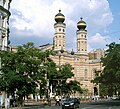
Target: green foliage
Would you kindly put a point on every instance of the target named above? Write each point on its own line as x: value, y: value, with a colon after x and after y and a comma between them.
x: 110, y: 75
x: 60, y: 81
x: 103, y: 89
x: 21, y: 70
x: 75, y: 86
x: 65, y: 72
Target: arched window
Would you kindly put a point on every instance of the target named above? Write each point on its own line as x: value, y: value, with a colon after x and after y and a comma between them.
x: 59, y: 29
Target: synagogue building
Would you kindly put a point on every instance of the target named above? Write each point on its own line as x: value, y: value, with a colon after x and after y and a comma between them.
x: 84, y: 64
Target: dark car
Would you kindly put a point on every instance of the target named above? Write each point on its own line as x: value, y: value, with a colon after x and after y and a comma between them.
x: 70, y: 103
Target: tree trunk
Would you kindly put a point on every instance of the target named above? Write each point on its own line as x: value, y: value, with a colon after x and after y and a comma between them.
x: 110, y: 91
x: 20, y: 101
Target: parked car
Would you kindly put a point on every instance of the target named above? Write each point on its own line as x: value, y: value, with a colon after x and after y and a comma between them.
x: 116, y: 98
x: 70, y: 103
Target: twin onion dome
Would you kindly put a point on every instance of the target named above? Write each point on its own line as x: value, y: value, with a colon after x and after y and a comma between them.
x: 59, y: 18
x: 81, y: 25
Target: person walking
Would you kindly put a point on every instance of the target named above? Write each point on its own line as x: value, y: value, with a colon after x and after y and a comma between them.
x: 57, y: 100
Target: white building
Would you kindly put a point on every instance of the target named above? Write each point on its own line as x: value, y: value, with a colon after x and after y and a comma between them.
x: 4, y: 33
x: 4, y: 24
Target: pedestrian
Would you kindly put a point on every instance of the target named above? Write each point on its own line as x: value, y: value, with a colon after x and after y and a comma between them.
x: 7, y: 101
x: 57, y: 100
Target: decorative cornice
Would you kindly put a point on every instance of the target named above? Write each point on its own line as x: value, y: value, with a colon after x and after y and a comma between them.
x: 5, y: 10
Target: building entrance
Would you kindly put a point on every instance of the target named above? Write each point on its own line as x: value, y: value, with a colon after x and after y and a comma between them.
x: 95, y: 91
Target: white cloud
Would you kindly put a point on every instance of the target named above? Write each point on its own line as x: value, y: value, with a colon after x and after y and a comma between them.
x: 98, y: 41
x: 38, y: 16
x: 97, y: 38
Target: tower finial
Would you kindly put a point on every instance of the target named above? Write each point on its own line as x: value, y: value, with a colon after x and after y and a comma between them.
x: 81, y: 18
x: 59, y: 10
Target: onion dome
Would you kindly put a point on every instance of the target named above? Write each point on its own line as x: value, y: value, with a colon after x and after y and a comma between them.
x: 81, y: 24
x: 72, y: 52
x: 59, y: 17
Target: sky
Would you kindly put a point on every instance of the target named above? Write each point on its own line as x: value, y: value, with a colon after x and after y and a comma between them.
x: 33, y: 21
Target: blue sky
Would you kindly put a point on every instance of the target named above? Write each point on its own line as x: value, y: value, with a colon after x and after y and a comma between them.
x: 33, y: 20
x: 114, y: 28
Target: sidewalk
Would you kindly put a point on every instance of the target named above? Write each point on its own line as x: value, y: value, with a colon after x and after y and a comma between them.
x: 29, y: 105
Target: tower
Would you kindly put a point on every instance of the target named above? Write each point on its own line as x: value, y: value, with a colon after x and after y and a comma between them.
x: 59, y: 40
x: 81, y: 37
x: 4, y: 24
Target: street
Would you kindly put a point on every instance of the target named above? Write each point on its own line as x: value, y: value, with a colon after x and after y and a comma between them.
x: 111, y: 104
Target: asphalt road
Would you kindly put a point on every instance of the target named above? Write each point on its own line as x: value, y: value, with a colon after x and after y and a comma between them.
x: 111, y: 104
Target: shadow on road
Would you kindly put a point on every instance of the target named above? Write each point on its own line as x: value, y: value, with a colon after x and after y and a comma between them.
x: 107, y: 103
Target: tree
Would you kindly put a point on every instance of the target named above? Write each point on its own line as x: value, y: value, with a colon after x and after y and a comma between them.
x: 21, y: 71
x: 28, y: 68
x: 60, y: 81
x: 75, y: 87
x: 110, y: 75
